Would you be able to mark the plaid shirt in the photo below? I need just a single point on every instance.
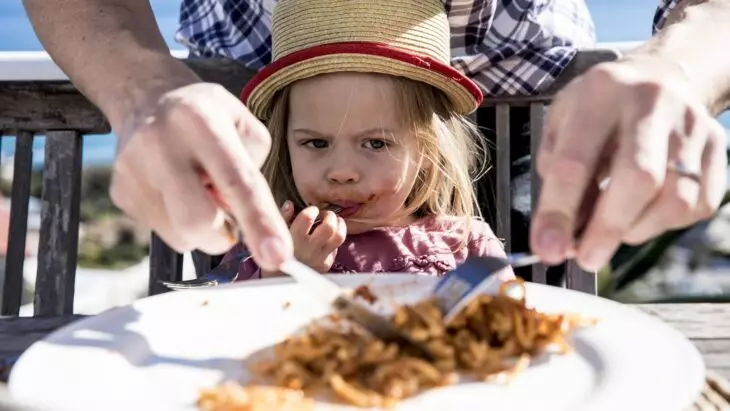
(505, 46)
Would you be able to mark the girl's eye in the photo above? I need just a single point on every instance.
(376, 144)
(316, 143)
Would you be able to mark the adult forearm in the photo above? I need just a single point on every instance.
(696, 36)
(111, 49)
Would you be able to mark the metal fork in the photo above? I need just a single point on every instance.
(227, 272)
(522, 259)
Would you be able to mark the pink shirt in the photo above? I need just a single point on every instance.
(425, 246)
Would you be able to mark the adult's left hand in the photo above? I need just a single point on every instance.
(638, 122)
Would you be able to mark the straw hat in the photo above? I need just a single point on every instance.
(408, 38)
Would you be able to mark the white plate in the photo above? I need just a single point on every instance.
(157, 353)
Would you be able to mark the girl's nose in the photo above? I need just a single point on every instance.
(343, 174)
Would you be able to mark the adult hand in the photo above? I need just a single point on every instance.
(635, 121)
(164, 148)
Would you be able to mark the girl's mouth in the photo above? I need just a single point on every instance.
(349, 211)
(348, 208)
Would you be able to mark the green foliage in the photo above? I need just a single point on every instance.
(95, 206)
(95, 201)
(119, 256)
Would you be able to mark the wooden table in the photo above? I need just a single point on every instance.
(706, 325)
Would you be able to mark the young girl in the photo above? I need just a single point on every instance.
(366, 115)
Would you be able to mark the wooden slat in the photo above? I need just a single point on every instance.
(202, 261)
(537, 122)
(165, 265)
(230, 74)
(578, 279)
(20, 196)
(59, 234)
(40, 106)
(503, 162)
(57, 105)
(696, 320)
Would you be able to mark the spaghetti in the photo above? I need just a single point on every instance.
(492, 339)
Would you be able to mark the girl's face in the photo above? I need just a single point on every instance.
(349, 146)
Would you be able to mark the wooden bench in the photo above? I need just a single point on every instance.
(58, 111)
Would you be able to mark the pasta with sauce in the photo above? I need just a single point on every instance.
(492, 339)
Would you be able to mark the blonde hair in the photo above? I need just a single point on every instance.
(449, 142)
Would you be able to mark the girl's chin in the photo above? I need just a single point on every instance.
(357, 227)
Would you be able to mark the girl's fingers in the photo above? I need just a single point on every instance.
(287, 211)
(319, 248)
(338, 237)
(321, 235)
(302, 224)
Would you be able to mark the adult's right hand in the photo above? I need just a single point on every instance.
(639, 121)
(165, 146)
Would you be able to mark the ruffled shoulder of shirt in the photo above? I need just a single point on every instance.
(450, 229)
(432, 245)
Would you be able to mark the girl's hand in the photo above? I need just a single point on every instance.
(316, 247)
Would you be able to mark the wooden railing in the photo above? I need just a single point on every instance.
(57, 110)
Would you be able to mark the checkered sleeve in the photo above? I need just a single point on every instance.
(236, 29)
(662, 12)
(517, 47)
